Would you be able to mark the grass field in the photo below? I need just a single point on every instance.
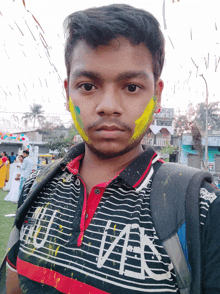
(6, 223)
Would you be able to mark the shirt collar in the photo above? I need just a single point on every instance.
(134, 174)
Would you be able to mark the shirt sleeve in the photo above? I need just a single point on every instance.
(210, 238)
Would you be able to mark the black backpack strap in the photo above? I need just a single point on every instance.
(3, 275)
(193, 228)
(14, 237)
(174, 200)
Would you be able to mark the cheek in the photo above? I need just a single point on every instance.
(143, 121)
(75, 112)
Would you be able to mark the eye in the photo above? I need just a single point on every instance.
(132, 88)
(87, 87)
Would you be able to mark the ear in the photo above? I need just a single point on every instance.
(158, 92)
(66, 87)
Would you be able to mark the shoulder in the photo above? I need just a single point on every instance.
(29, 159)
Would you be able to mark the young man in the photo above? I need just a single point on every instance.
(89, 228)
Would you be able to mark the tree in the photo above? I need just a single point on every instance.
(49, 125)
(170, 149)
(182, 123)
(62, 143)
(213, 116)
(197, 141)
(197, 117)
(36, 113)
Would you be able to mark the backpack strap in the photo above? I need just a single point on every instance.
(175, 200)
(193, 228)
(14, 237)
(3, 275)
(173, 248)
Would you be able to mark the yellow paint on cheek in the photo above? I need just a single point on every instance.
(77, 120)
(143, 121)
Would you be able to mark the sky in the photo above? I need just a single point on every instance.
(32, 64)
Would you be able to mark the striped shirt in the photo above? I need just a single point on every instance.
(104, 244)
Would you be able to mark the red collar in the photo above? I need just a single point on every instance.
(73, 165)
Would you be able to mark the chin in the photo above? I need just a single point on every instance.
(111, 150)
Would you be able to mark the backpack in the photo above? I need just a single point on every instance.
(170, 180)
(175, 201)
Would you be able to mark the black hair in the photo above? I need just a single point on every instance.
(26, 151)
(4, 153)
(98, 26)
(9, 159)
(12, 153)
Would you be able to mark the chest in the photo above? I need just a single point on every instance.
(120, 248)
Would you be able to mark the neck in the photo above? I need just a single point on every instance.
(110, 166)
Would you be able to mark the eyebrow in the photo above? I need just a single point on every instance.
(132, 74)
(122, 76)
(84, 73)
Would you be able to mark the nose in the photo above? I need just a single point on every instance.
(110, 103)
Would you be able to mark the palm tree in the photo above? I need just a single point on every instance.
(36, 113)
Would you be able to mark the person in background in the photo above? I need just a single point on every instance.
(3, 169)
(45, 161)
(14, 191)
(26, 169)
(53, 158)
(12, 157)
(8, 161)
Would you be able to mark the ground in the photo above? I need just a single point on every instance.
(6, 223)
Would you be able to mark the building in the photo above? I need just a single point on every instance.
(189, 156)
(13, 142)
(160, 133)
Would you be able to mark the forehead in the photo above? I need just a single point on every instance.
(120, 55)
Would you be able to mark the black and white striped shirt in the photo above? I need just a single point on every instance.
(119, 251)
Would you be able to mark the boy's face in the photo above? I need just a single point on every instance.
(111, 90)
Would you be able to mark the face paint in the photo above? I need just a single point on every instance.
(143, 121)
(75, 112)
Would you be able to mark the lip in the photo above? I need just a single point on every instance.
(109, 128)
(109, 132)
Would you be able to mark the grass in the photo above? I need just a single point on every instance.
(6, 223)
